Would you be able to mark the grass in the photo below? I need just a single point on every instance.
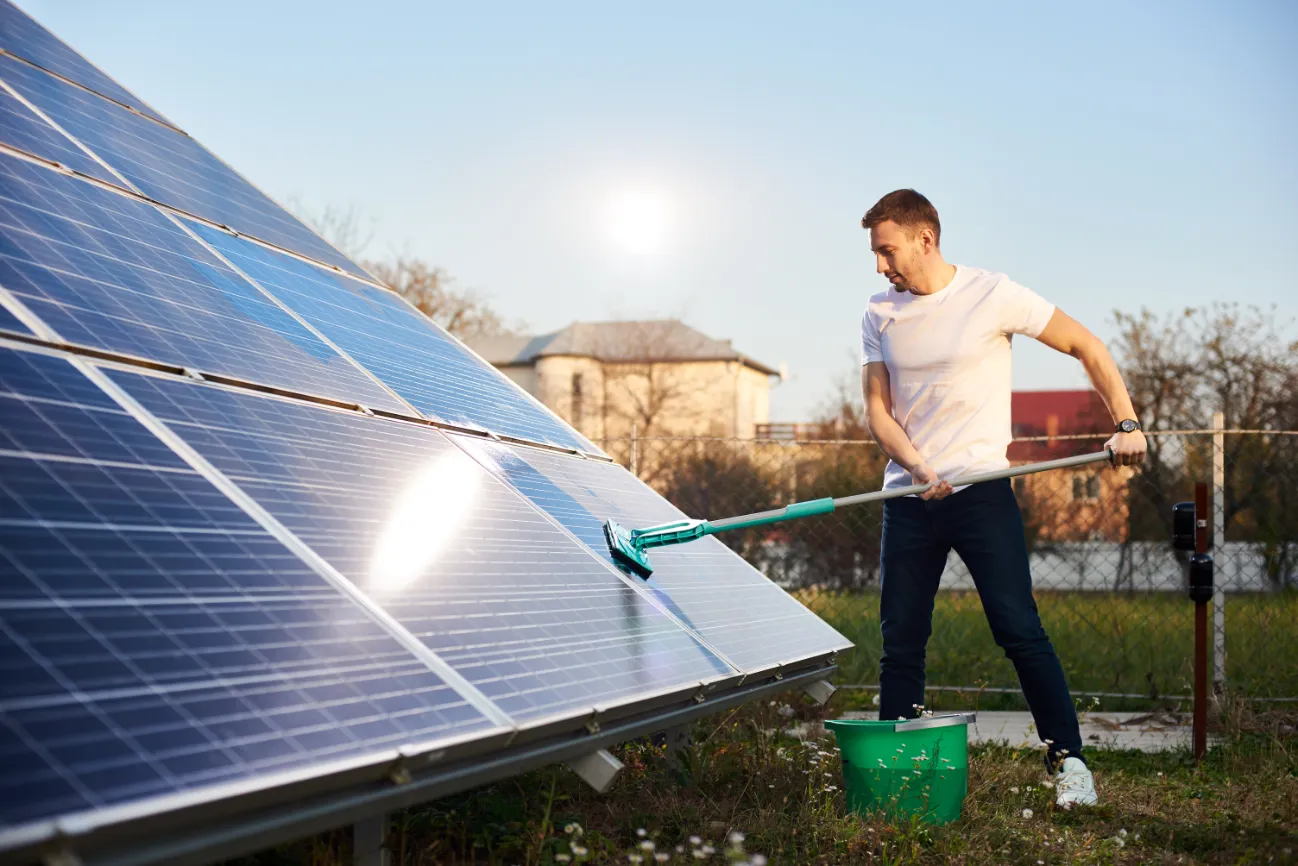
(1107, 642)
(747, 774)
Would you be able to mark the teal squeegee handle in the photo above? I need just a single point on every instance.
(687, 530)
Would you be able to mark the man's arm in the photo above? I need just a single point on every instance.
(1064, 334)
(876, 388)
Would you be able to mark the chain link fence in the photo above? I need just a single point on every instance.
(1110, 588)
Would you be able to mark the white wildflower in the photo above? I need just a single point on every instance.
(642, 832)
(736, 838)
(647, 845)
(1027, 813)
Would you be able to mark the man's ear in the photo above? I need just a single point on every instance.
(928, 239)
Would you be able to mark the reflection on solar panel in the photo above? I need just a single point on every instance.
(107, 271)
(22, 36)
(400, 345)
(228, 616)
(20, 128)
(153, 637)
(729, 603)
(499, 592)
(166, 165)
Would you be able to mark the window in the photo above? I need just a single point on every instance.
(576, 398)
(1086, 487)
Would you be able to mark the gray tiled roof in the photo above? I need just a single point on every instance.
(654, 340)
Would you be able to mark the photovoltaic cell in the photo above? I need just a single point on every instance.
(20, 128)
(167, 165)
(400, 345)
(111, 272)
(22, 36)
(512, 603)
(153, 638)
(9, 322)
(748, 619)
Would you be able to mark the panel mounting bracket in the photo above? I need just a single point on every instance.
(191, 373)
(597, 769)
(820, 691)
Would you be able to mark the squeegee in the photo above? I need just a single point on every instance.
(629, 546)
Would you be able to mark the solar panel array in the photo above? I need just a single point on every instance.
(262, 520)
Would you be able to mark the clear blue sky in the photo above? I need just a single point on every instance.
(1106, 154)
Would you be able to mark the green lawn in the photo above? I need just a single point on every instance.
(745, 773)
(1108, 642)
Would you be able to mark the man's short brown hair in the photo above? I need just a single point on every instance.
(906, 208)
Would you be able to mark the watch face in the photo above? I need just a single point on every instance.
(1128, 426)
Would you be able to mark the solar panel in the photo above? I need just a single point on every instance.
(153, 637)
(10, 322)
(504, 596)
(400, 345)
(737, 610)
(107, 271)
(167, 165)
(22, 36)
(218, 603)
(22, 129)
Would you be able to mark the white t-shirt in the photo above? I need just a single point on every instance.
(948, 359)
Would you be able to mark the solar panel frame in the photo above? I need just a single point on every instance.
(149, 391)
(24, 129)
(700, 580)
(166, 165)
(56, 426)
(104, 269)
(339, 306)
(24, 37)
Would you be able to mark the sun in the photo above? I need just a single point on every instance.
(638, 221)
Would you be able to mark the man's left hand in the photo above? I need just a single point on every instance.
(1128, 448)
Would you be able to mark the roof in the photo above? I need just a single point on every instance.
(1057, 413)
(627, 342)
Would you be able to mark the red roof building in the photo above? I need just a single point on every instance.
(1056, 413)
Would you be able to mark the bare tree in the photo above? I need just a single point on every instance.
(1242, 362)
(429, 288)
(345, 228)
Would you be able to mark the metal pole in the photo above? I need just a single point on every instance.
(634, 460)
(1200, 630)
(1219, 541)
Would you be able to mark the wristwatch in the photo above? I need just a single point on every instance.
(1128, 426)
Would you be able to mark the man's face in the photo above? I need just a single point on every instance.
(897, 253)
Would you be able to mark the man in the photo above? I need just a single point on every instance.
(936, 378)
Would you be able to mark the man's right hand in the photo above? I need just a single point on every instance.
(923, 474)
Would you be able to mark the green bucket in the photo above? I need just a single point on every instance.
(905, 768)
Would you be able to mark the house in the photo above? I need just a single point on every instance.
(1067, 505)
(659, 377)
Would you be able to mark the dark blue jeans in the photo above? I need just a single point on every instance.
(983, 525)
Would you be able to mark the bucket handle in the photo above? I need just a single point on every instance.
(935, 722)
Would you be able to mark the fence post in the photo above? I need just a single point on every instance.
(634, 459)
(1219, 542)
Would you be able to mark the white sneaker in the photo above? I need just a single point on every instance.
(1074, 785)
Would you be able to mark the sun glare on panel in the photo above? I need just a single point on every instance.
(638, 221)
(429, 511)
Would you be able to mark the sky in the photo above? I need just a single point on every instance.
(711, 162)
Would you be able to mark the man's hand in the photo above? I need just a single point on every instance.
(922, 474)
(1128, 448)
